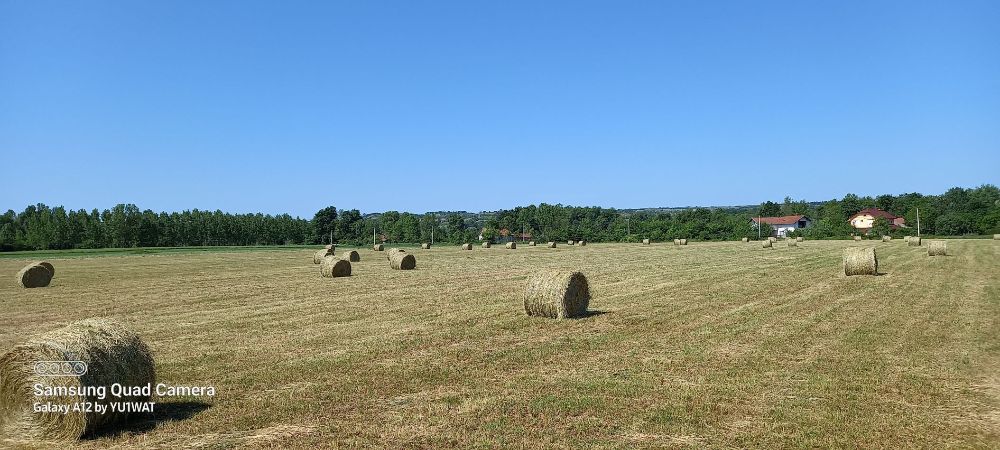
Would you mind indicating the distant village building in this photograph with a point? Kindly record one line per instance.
(864, 220)
(783, 225)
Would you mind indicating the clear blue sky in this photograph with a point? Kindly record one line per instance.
(480, 105)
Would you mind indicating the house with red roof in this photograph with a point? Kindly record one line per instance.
(864, 220)
(783, 225)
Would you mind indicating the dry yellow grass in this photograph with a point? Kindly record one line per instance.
(724, 346)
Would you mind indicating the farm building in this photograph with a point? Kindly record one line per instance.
(783, 225)
(865, 219)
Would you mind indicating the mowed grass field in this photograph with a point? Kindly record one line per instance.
(711, 344)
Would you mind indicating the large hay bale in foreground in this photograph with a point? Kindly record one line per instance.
(645, 242)
(682, 242)
(333, 267)
(352, 256)
(745, 240)
(937, 248)
(860, 261)
(104, 351)
(487, 244)
(466, 246)
(320, 254)
(551, 244)
(557, 294)
(799, 238)
(47, 265)
(425, 246)
(511, 246)
(914, 241)
(34, 276)
(402, 261)
(378, 247)
(766, 243)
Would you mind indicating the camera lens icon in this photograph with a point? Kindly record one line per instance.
(60, 368)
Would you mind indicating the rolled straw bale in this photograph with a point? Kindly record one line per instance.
(745, 240)
(886, 238)
(531, 243)
(645, 242)
(677, 242)
(857, 238)
(392, 251)
(914, 241)
(683, 242)
(557, 294)
(937, 248)
(330, 247)
(551, 244)
(425, 246)
(333, 267)
(352, 256)
(487, 244)
(402, 261)
(466, 246)
(996, 237)
(75, 364)
(320, 254)
(772, 239)
(793, 243)
(46, 265)
(860, 261)
(34, 276)
(511, 246)
(799, 238)
(582, 243)
(570, 242)
(766, 243)
(378, 247)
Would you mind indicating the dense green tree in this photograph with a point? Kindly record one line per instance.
(769, 209)
(324, 223)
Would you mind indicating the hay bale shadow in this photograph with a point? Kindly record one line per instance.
(591, 313)
(144, 423)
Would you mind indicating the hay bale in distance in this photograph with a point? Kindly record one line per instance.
(531, 243)
(886, 238)
(937, 248)
(378, 247)
(557, 294)
(402, 261)
(996, 237)
(34, 276)
(352, 256)
(799, 238)
(745, 240)
(511, 246)
(857, 238)
(645, 242)
(333, 267)
(466, 246)
(793, 243)
(391, 251)
(570, 242)
(582, 243)
(320, 254)
(425, 246)
(766, 243)
(772, 239)
(677, 242)
(330, 247)
(860, 261)
(914, 241)
(682, 242)
(487, 244)
(551, 244)
(104, 351)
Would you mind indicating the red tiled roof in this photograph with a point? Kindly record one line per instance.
(783, 220)
(875, 212)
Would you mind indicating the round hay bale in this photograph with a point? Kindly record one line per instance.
(551, 244)
(402, 261)
(677, 242)
(487, 244)
(857, 238)
(766, 243)
(645, 242)
(333, 267)
(511, 246)
(937, 248)
(391, 251)
(74, 364)
(466, 246)
(352, 256)
(860, 261)
(914, 241)
(378, 247)
(745, 240)
(425, 246)
(320, 254)
(330, 247)
(799, 239)
(886, 238)
(683, 242)
(557, 294)
(46, 265)
(34, 276)
(531, 243)
(772, 239)
(996, 237)
(570, 242)
(793, 243)
(582, 243)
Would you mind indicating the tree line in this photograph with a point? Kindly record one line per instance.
(957, 212)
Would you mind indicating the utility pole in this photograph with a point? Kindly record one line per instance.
(758, 227)
(373, 236)
(432, 235)
(918, 221)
